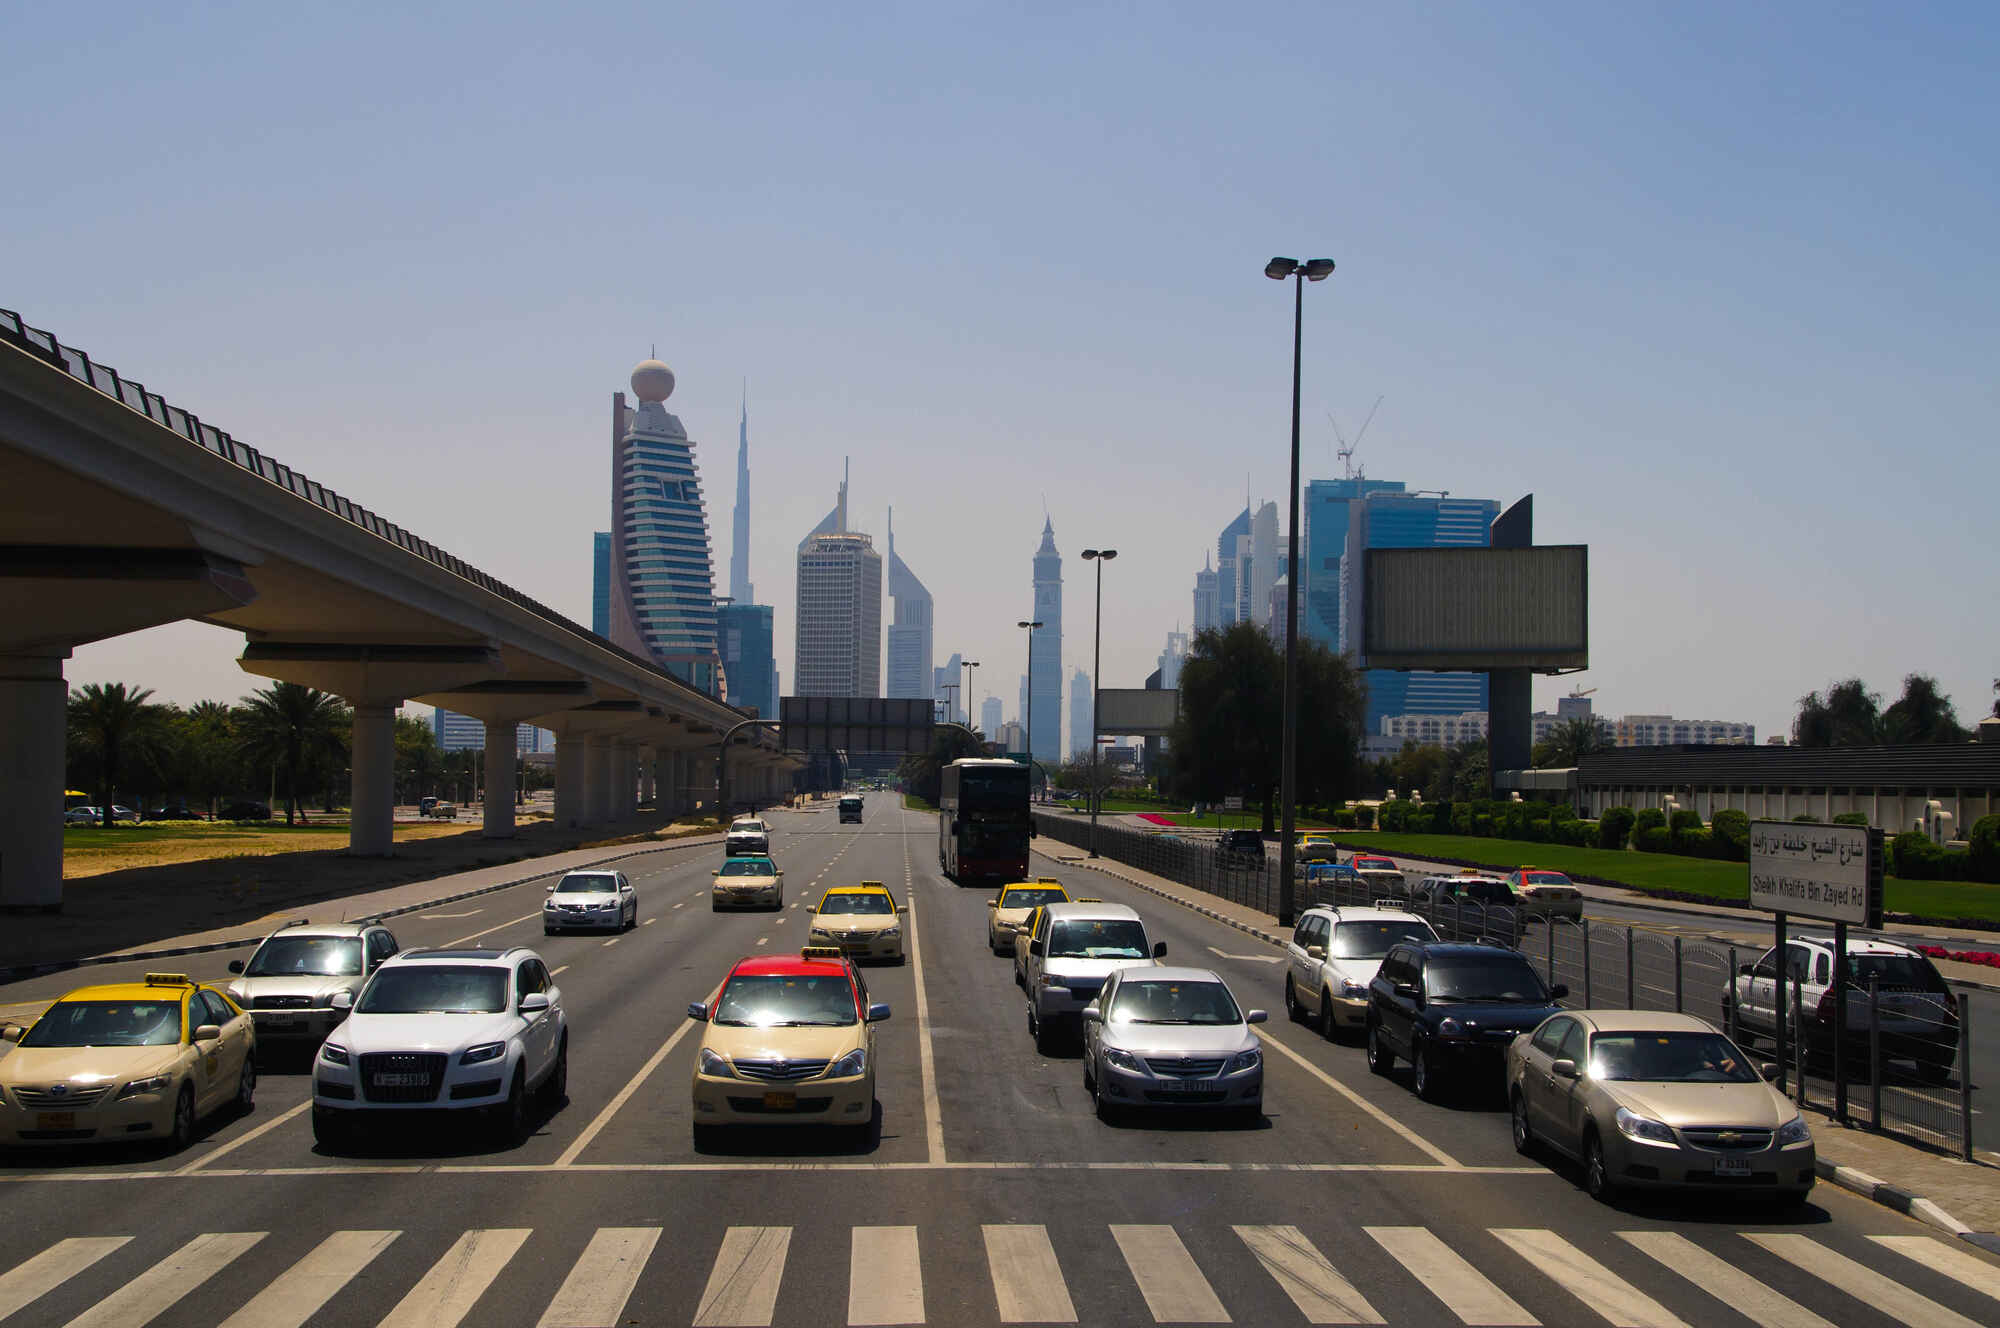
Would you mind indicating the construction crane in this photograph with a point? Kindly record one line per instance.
(1346, 449)
(1578, 693)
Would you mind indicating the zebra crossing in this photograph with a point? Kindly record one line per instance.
(1027, 1278)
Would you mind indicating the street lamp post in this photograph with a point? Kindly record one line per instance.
(965, 692)
(1313, 269)
(1029, 718)
(950, 700)
(1100, 557)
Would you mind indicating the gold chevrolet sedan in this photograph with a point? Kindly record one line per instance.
(1009, 909)
(862, 921)
(1649, 1100)
(127, 1061)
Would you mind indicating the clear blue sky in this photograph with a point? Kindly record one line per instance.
(1717, 284)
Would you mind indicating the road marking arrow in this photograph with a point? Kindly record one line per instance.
(1255, 959)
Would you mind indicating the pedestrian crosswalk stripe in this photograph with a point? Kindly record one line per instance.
(1729, 1284)
(1304, 1274)
(1464, 1290)
(1027, 1281)
(598, 1286)
(1953, 1262)
(311, 1282)
(1619, 1302)
(456, 1282)
(1885, 1294)
(154, 1291)
(1173, 1286)
(29, 1281)
(885, 1278)
(742, 1288)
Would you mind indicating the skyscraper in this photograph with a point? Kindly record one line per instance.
(989, 718)
(910, 632)
(839, 648)
(1228, 569)
(1079, 715)
(458, 733)
(1263, 565)
(600, 583)
(740, 589)
(1207, 597)
(1329, 505)
(1171, 660)
(951, 671)
(1046, 739)
(662, 580)
(744, 637)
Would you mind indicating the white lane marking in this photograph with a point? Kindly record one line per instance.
(457, 1280)
(650, 921)
(439, 917)
(762, 939)
(1443, 1158)
(1304, 1274)
(926, 1058)
(595, 1292)
(1464, 1290)
(1950, 1260)
(1173, 1286)
(1622, 1304)
(1745, 1294)
(742, 1288)
(300, 1290)
(608, 944)
(558, 972)
(34, 1278)
(154, 1291)
(243, 1139)
(463, 940)
(1885, 1294)
(1254, 959)
(885, 1277)
(603, 1117)
(682, 904)
(1027, 1281)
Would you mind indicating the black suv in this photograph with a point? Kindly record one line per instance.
(1241, 848)
(1452, 1009)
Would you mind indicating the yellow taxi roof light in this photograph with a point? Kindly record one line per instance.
(820, 952)
(169, 980)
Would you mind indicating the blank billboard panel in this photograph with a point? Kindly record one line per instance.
(890, 726)
(1136, 712)
(1477, 608)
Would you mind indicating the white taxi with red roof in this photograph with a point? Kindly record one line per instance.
(1546, 893)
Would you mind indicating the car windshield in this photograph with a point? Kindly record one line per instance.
(1499, 977)
(1679, 1058)
(107, 1024)
(435, 989)
(587, 885)
(1097, 938)
(1030, 898)
(1894, 970)
(786, 1001)
(315, 956)
(749, 867)
(1546, 878)
(1174, 1003)
(1371, 940)
(857, 903)
(1374, 864)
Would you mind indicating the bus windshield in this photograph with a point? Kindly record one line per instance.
(993, 788)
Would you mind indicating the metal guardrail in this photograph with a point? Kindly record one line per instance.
(78, 365)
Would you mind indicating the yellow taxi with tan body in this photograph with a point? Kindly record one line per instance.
(1008, 910)
(126, 1061)
(862, 921)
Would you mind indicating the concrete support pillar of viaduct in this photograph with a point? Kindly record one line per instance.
(571, 804)
(503, 704)
(371, 827)
(501, 753)
(33, 729)
(647, 794)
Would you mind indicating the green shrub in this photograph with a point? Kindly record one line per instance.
(1653, 839)
(1461, 819)
(1729, 836)
(1399, 815)
(1582, 834)
(1805, 818)
(1698, 843)
(1648, 819)
(1614, 828)
(1685, 819)
(1982, 859)
(1851, 818)
(1441, 814)
(1913, 857)
(1364, 818)
(1343, 819)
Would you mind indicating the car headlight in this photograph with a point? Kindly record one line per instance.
(716, 1066)
(1449, 1027)
(1244, 1060)
(1794, 1131)
(150, 1084)
(1353, 990)
(892, 931)
(1644, 1129)
(485, 1051)
(1123, 1060)
(821, 931)
(853, 1063)
(332, 1053)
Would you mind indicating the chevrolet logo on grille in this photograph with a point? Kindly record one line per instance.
(1728, 1137)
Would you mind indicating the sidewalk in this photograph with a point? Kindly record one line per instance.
(1959, 1197)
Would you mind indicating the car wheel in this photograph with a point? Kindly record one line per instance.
(1380, 1059)
(1596, 1174)
(1107, 1111)
(1089, 1078)
(1045, 1041)
(1293, 1010)
(555, 1089)
(183, 1124)
(548, 931)
(246, 1086)
(332, 1131)
(510, 1118)
(1328, 1029)
(1250, 1117)
(1424, 1075)
(706, 1137)
(1524, 1138)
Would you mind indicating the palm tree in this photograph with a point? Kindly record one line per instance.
(212, 749)
(290, 727)
(117, 721)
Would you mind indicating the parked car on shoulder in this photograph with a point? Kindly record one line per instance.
(84, 816)
(174, 811)
(1451, 1010)
(244, 809)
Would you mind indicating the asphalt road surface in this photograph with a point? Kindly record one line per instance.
(992, 1194)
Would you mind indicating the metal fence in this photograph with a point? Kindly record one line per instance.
(1906, 1066)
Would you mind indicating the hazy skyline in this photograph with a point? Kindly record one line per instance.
(1716, 285)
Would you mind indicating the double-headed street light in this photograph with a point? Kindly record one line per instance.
(1313, 269)
(1029, 718)
(965, 692)
(1100, 557)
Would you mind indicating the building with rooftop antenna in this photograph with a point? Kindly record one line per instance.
(839, 615)
(1045, 741)
(740, 589)
(910, 673)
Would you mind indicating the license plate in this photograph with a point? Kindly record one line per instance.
(281, 1020)
(412, 1080)
(55, 1120)
(1186, 1085)
(1732, 1166)
(780, 1101)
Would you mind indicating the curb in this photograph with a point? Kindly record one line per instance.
(24, 971)
(1912, 1205)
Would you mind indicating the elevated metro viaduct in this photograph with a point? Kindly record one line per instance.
(120, 511)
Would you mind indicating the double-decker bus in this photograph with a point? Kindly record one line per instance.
(983, 825)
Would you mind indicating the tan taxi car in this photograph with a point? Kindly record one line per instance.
(862, 921)
(1008, 911)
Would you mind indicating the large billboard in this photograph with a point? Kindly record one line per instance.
(1136, 712)
(1477, 608)
(856, 724)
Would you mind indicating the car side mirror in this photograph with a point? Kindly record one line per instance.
(1563, 1069)
(1746, 970)
(11, 1033)
(1315, 952)
(878, 1012)
(1256, 1016)
(781, 876)
(534, 1002)
(341, 1000)
(1408, 989)
(1769, 1070)
(992, 903)
(1092, 1014)
(551, 890)
(1035, 948)
(902, 908)
(1159, 949)
(207, 1032)
(236, 965)
(1560, 990)
(698, 1012)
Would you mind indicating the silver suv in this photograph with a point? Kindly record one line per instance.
(1070, 952)
(289, 982)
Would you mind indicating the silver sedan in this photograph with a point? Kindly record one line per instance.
(1161, 1037)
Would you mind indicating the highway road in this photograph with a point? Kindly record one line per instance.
(991, 1194)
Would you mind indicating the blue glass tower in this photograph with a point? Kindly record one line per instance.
(744, 636)
(600, 583)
